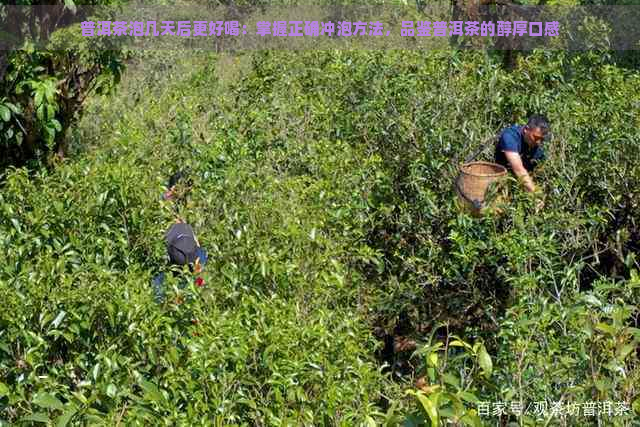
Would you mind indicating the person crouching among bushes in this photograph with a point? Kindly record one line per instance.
(183, 249)
(520, 150)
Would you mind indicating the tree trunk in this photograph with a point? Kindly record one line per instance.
(476, 10)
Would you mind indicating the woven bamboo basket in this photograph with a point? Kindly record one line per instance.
(473, 181)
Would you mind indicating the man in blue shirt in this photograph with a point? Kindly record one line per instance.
(520, 148)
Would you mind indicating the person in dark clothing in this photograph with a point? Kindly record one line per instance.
(519, 148)
(183, 249)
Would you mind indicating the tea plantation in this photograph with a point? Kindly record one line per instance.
(344, 285)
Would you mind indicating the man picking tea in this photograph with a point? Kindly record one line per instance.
(183, 249)
(519, 148)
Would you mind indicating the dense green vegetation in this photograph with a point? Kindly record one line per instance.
(344, 287)
(43, 91)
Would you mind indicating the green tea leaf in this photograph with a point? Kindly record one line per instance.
(459, 343)
(433, 359)
(96, 371)
(429, 408)
(471, 419)
(48, 401)
(485, 361)
(111, 390)
(38, 99)
(370, 422)
(625, 350)
(58, 319)
(152, 392)
(607, 329)
(64, 419)
(38, 417)
(469, 397)
(4, 390)
(455, 401)
(592, 300)
(5, 113)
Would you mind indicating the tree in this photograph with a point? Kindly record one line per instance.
(47, 71)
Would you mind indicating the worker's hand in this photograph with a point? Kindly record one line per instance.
(170, 193)
(197, 268)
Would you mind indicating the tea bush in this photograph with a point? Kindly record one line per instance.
(44, 83)
(426, 262)
(266, 340)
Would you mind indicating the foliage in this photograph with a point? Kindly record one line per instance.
(44, 90)
(83, 340)
(442, 392)
(424, 260)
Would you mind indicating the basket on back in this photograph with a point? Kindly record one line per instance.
(474, 180)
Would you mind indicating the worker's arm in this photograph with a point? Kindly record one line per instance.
(519, 169)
